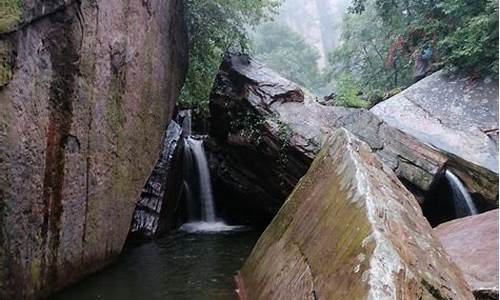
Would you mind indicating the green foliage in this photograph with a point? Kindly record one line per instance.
(214, 26)
(362, 53)
(464, 33)
(284, 135)
(383, 39)
(10, 14)
(248, 123)
(347, 93)
(473, 45)
(286, 52)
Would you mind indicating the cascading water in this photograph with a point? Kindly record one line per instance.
(205, 186)
(464, 206)
(198, 190)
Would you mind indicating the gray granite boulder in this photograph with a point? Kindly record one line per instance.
(450, 113)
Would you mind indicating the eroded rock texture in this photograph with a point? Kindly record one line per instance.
(86, 90)
(159, 200)
(266, 131)
(472, 243)
(350, 230)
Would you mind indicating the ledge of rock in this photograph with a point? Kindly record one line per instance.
(472, 243)
(450, 113)
(86, 90)
(266, 131)
(350, 230)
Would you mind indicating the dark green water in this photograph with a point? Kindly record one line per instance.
(178, 266)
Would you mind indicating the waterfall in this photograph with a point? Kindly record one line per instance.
(198, 192)
(204, 181)
(464, 206)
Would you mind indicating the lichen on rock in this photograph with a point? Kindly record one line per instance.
(7, 61)
(10, 14)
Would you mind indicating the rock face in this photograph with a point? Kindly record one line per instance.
(266, 131)
(86, 90)
(451, 114)
(472, 243)
(155, 210)
(350, 230)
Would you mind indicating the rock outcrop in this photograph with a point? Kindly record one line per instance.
(472, 243)
(266, 131)
(156, 209)
(86, 90)
(350, 230)
(450, 113)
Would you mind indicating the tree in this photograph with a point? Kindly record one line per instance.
(384, 39)
(213, 26)
(363, 53)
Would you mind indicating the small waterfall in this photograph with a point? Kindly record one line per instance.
(189, 181)
(205, 185)
(198, 192)
(464, 206)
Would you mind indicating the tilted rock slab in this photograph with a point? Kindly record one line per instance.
(155, 210)
(86, 90)
(267, 130)
(472, 243)
(350, 230)
(451, 113)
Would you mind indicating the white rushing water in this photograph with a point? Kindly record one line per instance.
(464, 206)
(205, 185)
(194, 153)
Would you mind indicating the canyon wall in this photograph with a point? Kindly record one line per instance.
(86, 91)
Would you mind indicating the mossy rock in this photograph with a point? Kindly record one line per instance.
(7, 62)
(10, 15)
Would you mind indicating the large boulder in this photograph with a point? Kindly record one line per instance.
(472, 243)
(451, 113)
(267, 130)
(350, 230)
(86, 90)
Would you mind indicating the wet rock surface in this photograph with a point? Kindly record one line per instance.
(350, 230)
(266, 131)
(472, 244)
(451, 113)
(155, 212)
(91, 86)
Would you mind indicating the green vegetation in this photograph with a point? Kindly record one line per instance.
(10, 14)
(472, 43)
(247, 123)
(287, 53)
(285, 133)
(385, 42)
(347, 93)
(213, 27)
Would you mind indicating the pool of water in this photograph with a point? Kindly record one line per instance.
(181, 265)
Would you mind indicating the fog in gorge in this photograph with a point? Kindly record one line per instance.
(297, 42)
(319, 22)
